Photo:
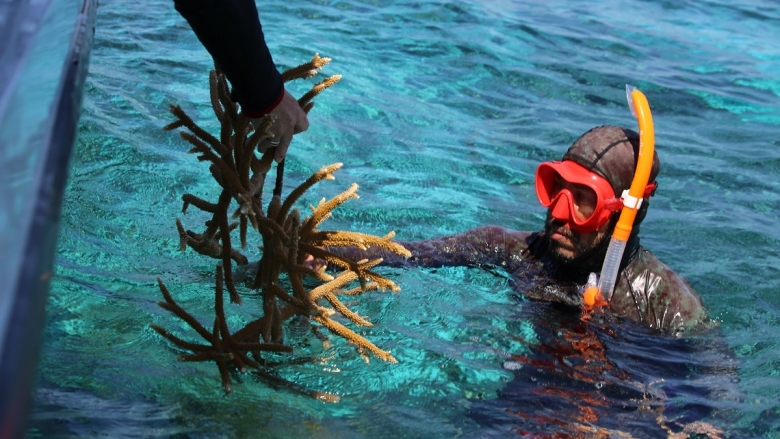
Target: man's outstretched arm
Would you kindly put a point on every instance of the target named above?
(489, 246)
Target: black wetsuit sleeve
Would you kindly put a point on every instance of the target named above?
(230, 31)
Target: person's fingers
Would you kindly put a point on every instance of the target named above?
(290, 115)
(290, 120)
(268, 143)
(315, 264)
(281, 150)
(302, 122)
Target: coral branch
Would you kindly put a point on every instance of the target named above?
(323, 211)
(306, 70)
(325, 173)
(197, 202)
(317, 89)
(173, 307)
(352, 337)
(195, 129)
(346, 312)
(287, 240)
(219, 111)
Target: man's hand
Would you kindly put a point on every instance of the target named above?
(315, 264)
(290, 120)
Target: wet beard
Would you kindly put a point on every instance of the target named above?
(589, 259)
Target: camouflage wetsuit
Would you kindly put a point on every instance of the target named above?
(647, 290)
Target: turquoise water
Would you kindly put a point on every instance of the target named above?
(443, 112)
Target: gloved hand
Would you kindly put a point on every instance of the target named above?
(290, 120)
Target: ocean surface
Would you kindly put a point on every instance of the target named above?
(442, 115)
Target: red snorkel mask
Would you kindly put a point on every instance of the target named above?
(580, 199)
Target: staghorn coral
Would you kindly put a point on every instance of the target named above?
(287, 239)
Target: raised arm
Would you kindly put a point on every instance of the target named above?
(230, 31)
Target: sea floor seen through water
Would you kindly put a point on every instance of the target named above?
(442, 115)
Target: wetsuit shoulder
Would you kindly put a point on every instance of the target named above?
(650, 292)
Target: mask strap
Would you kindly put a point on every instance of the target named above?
(650, 189)
(613, 204)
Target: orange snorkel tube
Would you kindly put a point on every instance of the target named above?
(632, 199)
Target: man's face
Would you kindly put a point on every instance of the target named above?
(567, 244)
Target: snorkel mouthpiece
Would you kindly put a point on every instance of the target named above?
(632, 201)
(591, 296)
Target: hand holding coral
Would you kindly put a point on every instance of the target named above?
(290, 120)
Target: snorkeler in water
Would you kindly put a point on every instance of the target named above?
(230, 31)
(581, 193)
(582, 210)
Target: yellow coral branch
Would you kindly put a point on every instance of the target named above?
(351, 336)
(346, 312)
(317, 89)
(342, 279)
(383, 243)
(305, 70)
(325, 173)
(371, 286)
(322, 212)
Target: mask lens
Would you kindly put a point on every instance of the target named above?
(576, 195)
(583, 198)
